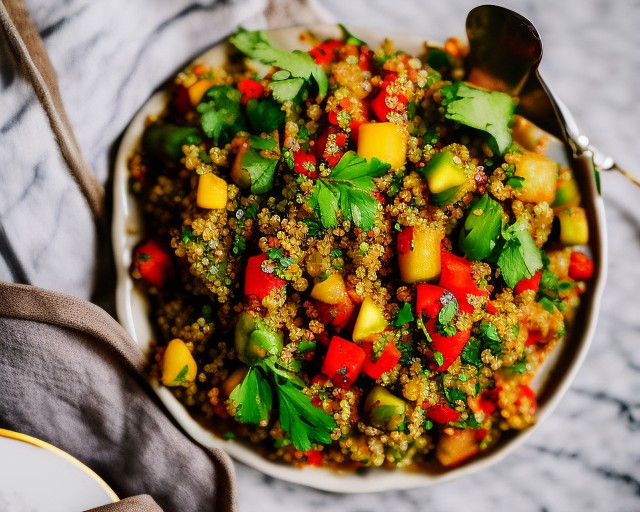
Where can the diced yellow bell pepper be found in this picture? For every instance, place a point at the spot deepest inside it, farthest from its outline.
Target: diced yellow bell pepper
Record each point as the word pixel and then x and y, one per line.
pixel 330 291
pixel 178 366
pixel 370 320
pixel 385 141
pixel 212 192
pixel 574 227
pixel 419 254
pixel 540 178
pixel 197 90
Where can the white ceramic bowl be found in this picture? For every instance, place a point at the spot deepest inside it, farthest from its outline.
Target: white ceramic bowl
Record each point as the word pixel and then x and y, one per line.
pixel 551 382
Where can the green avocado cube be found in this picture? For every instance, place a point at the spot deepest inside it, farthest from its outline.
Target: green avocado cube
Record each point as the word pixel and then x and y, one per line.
pixel 444 177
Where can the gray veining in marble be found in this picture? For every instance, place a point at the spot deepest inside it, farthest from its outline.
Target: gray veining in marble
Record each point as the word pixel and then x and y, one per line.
pixel 110 55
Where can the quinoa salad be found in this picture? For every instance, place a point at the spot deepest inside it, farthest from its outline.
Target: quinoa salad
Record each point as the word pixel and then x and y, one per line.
pixel 354 257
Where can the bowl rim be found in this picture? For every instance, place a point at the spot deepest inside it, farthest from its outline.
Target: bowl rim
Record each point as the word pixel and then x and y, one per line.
pixel 132 306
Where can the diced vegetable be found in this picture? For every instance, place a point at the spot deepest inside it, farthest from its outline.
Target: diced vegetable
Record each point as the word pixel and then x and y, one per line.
pixel 370 320
pixel 233 380
pixel 445 178
pixel 385 141
pixel 449 346
pixel 428 299
pixel 197 90
pixel 384 409
pixel 212 191
pixel 531 283
pixel 254 341
pixel 419 253
pixel 343 362
pixel 385 102
pixel 179 368
pixel 442 413
pixel 337 315
pixel 153 263
pixel 574 227
pixel 540 177
pixel 165 141
pixel 456 446
pixel 258 282
pixel 567 194
pixel 385 363
pixel 250 89
pixel 330 291
pixel 580 266
pixel 456 277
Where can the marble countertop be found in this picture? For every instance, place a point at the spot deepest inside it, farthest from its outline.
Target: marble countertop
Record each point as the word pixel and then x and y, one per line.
pixel 586 456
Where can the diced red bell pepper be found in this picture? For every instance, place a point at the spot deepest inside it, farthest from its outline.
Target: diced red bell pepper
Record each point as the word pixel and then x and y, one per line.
pixel 250 89
pixel 580 266
pixel 487 401
pixel 337 315
pixel 258 282
pixel 442 413
pixel 449 346
pixel 531 283
pixel 386 362
pixel 313 457
pixel 364 61
pixel 533 337
pixel 527 399
pixel 491 308
pixel 456 277
pixel 405 240
pixel 428 299
pixel 153 263
pixel 331 144
pixel 379 103
pixel 325 52
pixel 180 101
pixel 305 163
pixel 343 362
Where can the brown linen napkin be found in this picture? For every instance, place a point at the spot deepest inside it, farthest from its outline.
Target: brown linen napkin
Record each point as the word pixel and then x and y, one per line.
pixel 71 376
pixel 142 503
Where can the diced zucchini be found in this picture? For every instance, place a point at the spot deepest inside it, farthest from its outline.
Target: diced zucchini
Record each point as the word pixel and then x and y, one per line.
pixel 384 409
pixel 445 178
pixel 574 227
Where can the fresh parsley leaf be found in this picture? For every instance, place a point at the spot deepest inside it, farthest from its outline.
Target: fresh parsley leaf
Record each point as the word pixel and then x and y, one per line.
pixel 488 111
pixel 481 229
pixel 314 227
pixel 264 116
pixel 453 394
pixel 304 422
pixel 490 338
pixel 349 38
pixel 262 170
pixel 406 350
pixel 404 315
pixel 221 114
pixel 253 398
pixel 520 257
pixel 286 90
pixel 262 142
pixel 448 312
pixel 519 367
pixel 471 352
pixel 306 346
pixel 299 64
pixel 437 355
pixel 348 188
pixel 515 182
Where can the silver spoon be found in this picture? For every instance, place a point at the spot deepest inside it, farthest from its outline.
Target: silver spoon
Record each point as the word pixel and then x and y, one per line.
pixel 505 50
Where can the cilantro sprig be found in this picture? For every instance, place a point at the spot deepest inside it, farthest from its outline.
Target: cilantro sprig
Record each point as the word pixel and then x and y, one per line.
pixel 520 257
pixel 297 68
pixel 488 111
pixel 348 189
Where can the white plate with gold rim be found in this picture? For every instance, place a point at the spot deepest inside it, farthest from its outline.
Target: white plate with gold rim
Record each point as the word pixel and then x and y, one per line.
pixel 551 382
pixel 38 477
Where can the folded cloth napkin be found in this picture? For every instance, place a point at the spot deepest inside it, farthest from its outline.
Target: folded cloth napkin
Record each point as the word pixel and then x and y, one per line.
pixel 72 377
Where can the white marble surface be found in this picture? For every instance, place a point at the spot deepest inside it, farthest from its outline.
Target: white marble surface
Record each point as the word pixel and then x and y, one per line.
pixel 111 54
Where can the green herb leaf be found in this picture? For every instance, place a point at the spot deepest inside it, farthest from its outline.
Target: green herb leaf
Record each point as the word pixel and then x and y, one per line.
pixel 286 90
pixel 515 182
pixel 404 315
pixel 253 398
pixel 490 338
pixel 304 422
pixel 306 346
pixel 221 115
pixel 437 355
pixel 481 228
pixel 300 65
pixel 489 111
pixel 520 257
pixel 352 166
pixel 324 202
pixel 445 325
pixel 349 38
pixel 453 394
pixel 264 116
pixel 262 170
pixel 471 352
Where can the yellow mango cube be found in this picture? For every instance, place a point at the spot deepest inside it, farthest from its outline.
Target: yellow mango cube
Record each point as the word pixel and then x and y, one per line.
pixel 178 366
pixel 385 141
pixel 197 90
pixel 330 291
pixel 419 254
pixel 370 320
pixel 212 192
pixel 540 178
